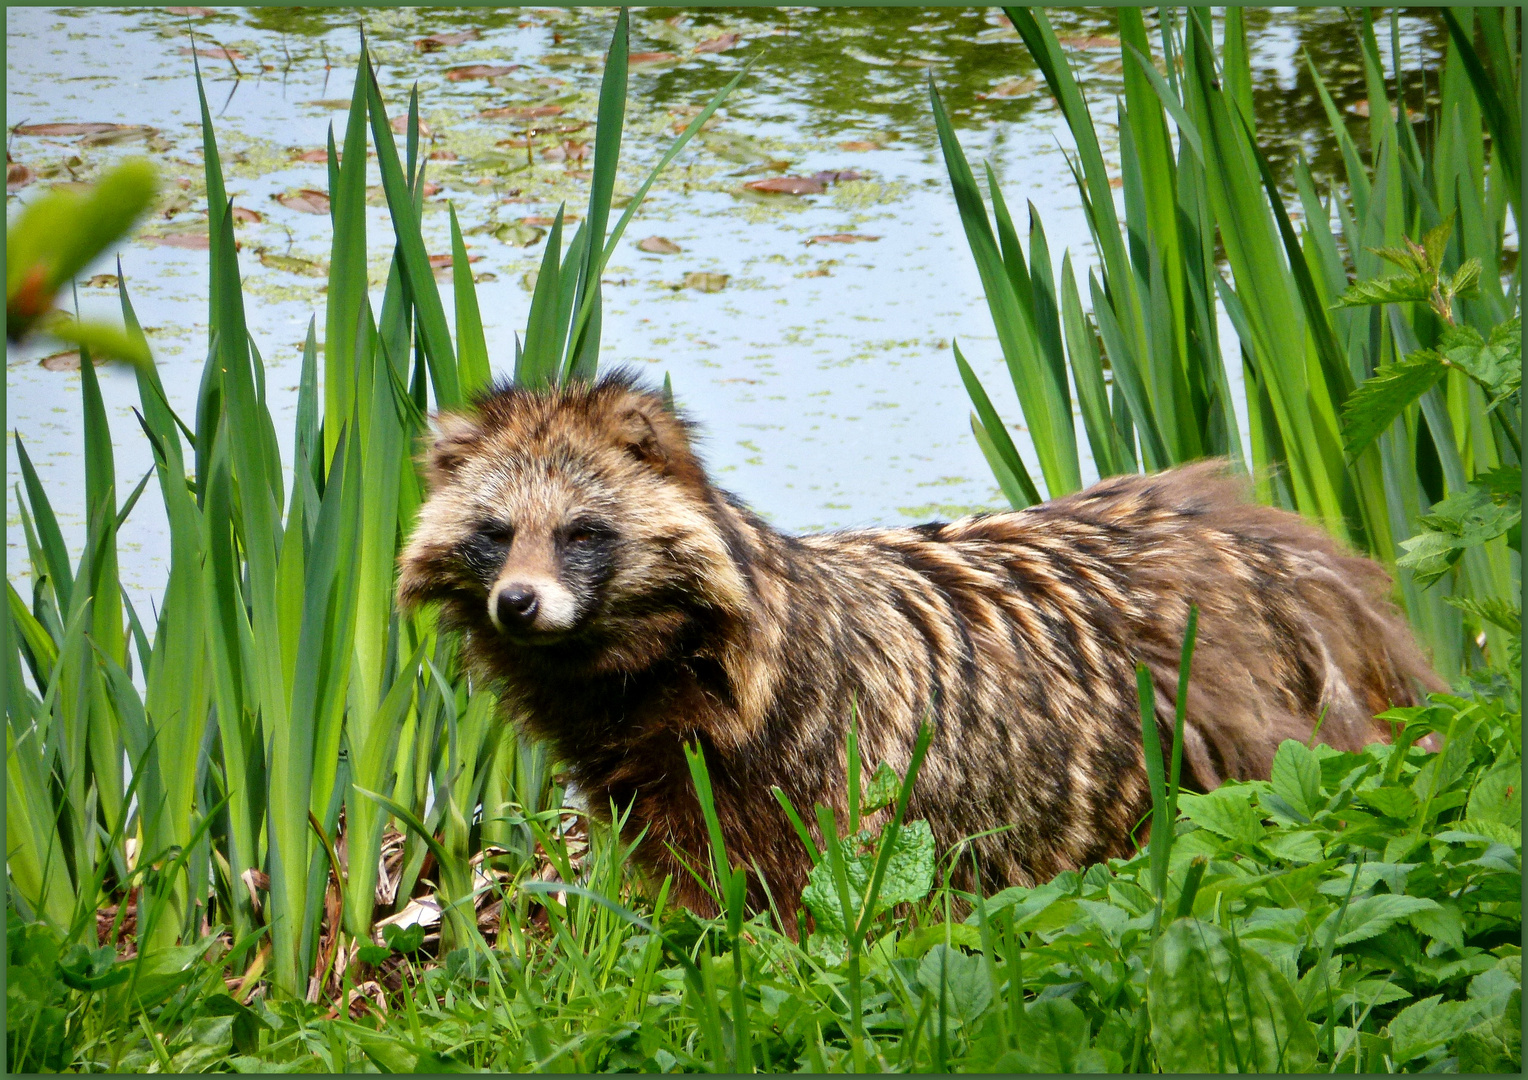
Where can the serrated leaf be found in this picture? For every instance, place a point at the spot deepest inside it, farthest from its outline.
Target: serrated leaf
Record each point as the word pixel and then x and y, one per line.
pixel 1226 811
pixel 1466 278
pixel 1435 241
pixel 1443 924
pixel 1496 365
pixel 1297 777
pixel 1495 1046
pixel 1373 915
pixel 1394 802
pixel 1375 404
pixel 1429 555
pixel 1398 289
pixel 1497 611
pixel 1426 1025
pixel 1498 796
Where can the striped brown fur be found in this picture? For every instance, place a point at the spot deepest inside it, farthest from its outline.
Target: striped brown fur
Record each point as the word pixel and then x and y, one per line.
pixel 675 614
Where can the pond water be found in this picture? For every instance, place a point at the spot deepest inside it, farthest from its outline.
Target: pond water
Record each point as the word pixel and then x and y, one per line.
pixel 820 369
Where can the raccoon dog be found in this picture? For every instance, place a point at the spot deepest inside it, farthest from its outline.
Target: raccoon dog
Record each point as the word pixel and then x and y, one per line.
pixel 623 606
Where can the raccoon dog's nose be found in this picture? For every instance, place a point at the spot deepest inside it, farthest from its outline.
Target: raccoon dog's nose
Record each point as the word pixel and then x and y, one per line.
pixel 516 606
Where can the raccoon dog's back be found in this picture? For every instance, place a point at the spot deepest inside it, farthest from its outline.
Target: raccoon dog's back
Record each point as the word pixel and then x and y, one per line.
pixel 623 605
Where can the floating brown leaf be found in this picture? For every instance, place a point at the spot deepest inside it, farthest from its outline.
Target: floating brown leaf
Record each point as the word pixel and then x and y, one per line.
pixel 217 53
pixel 520 112
pixel 431 188
pixel 442 155
pixel 720 43
pixel 242 214
pixel 307 201
pixel 123 133
pixel 67 361
pixel 319 156
pixel 194 12
pixel 575 151
pixel 437 261
pixel 1090 42
pixel 1009 88
pixel 638 58
pixel 789 185
pixel 441 41
pixel 545 222
pixel 400 124
pixel 71 129
pixel 858 146
pixel 836 176
pixel 192 241
pixel 479 71
pixel 17 176
pixel 842 238
pixel 554 153
pixel 659 245
pixel 705 282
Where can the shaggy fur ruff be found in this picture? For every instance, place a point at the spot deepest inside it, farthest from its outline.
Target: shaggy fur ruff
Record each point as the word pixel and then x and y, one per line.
pixel 666 612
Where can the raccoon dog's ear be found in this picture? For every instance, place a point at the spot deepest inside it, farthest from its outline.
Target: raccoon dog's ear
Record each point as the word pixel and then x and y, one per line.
pixel 456 438
pixel 652 440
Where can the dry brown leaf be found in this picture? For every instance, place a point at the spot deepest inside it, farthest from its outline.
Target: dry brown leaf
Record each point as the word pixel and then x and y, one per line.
pixel 217 53
pixel 400 124
pixel 1090 42
pixel 65 361
pixel 307 201
pixel 17 176
pixel 194 12
pixel 836 176
pixel 241 214
pixel 545 222
pixel 720 43
pixel 637 59
pixel 320 156
pixel 842 238
pixel 520 112
pixel 442 155
pixel 659 245
pixel 191 241
pixel 575 151
pixel 479 71
pixel 859 146
pixel 88 128
pixel 441 41
pixel 789 185
pixel 1009 88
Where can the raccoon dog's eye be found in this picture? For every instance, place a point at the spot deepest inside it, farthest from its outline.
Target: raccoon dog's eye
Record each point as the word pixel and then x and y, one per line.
pixel 584 535
pixel 499 532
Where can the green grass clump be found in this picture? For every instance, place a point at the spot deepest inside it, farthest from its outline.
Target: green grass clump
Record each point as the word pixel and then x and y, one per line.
pixel 216 905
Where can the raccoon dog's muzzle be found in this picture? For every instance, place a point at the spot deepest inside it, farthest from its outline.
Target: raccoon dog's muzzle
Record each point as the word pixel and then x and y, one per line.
pixel 532 610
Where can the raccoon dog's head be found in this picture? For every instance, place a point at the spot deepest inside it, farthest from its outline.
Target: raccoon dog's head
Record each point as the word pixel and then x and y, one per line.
pixel 576 522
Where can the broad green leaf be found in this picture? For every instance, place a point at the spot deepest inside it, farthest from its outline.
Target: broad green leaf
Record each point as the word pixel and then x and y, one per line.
pixel 967 989
pixel 1297 777
pixel 1498 795
pixel 1424 1026
pixel 1373 915
pixel 1227 811
pixel 909 876
pixel 1495 1046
